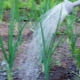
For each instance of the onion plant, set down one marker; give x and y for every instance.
(46, 58)
(72, 39)
(12, 46)
(72, 36)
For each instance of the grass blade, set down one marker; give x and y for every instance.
(1, 8)
(3, 50)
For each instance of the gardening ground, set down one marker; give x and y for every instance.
(62, 66)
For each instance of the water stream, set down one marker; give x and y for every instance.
(31, 67)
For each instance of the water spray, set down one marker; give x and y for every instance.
(49, 24)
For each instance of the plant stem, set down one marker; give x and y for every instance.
(9, 74)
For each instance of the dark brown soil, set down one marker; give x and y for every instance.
(61, 73)
(58, 73)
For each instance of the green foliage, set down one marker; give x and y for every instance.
(1, 8)
(7, 4)
(33, 6)
(72, 37)
(10, 56)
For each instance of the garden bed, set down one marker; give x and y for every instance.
(63, 67)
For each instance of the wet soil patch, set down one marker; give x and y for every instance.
(60, 73)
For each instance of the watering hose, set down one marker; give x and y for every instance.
(70, 5)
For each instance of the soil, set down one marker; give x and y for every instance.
(59, 73)
(62, 66)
